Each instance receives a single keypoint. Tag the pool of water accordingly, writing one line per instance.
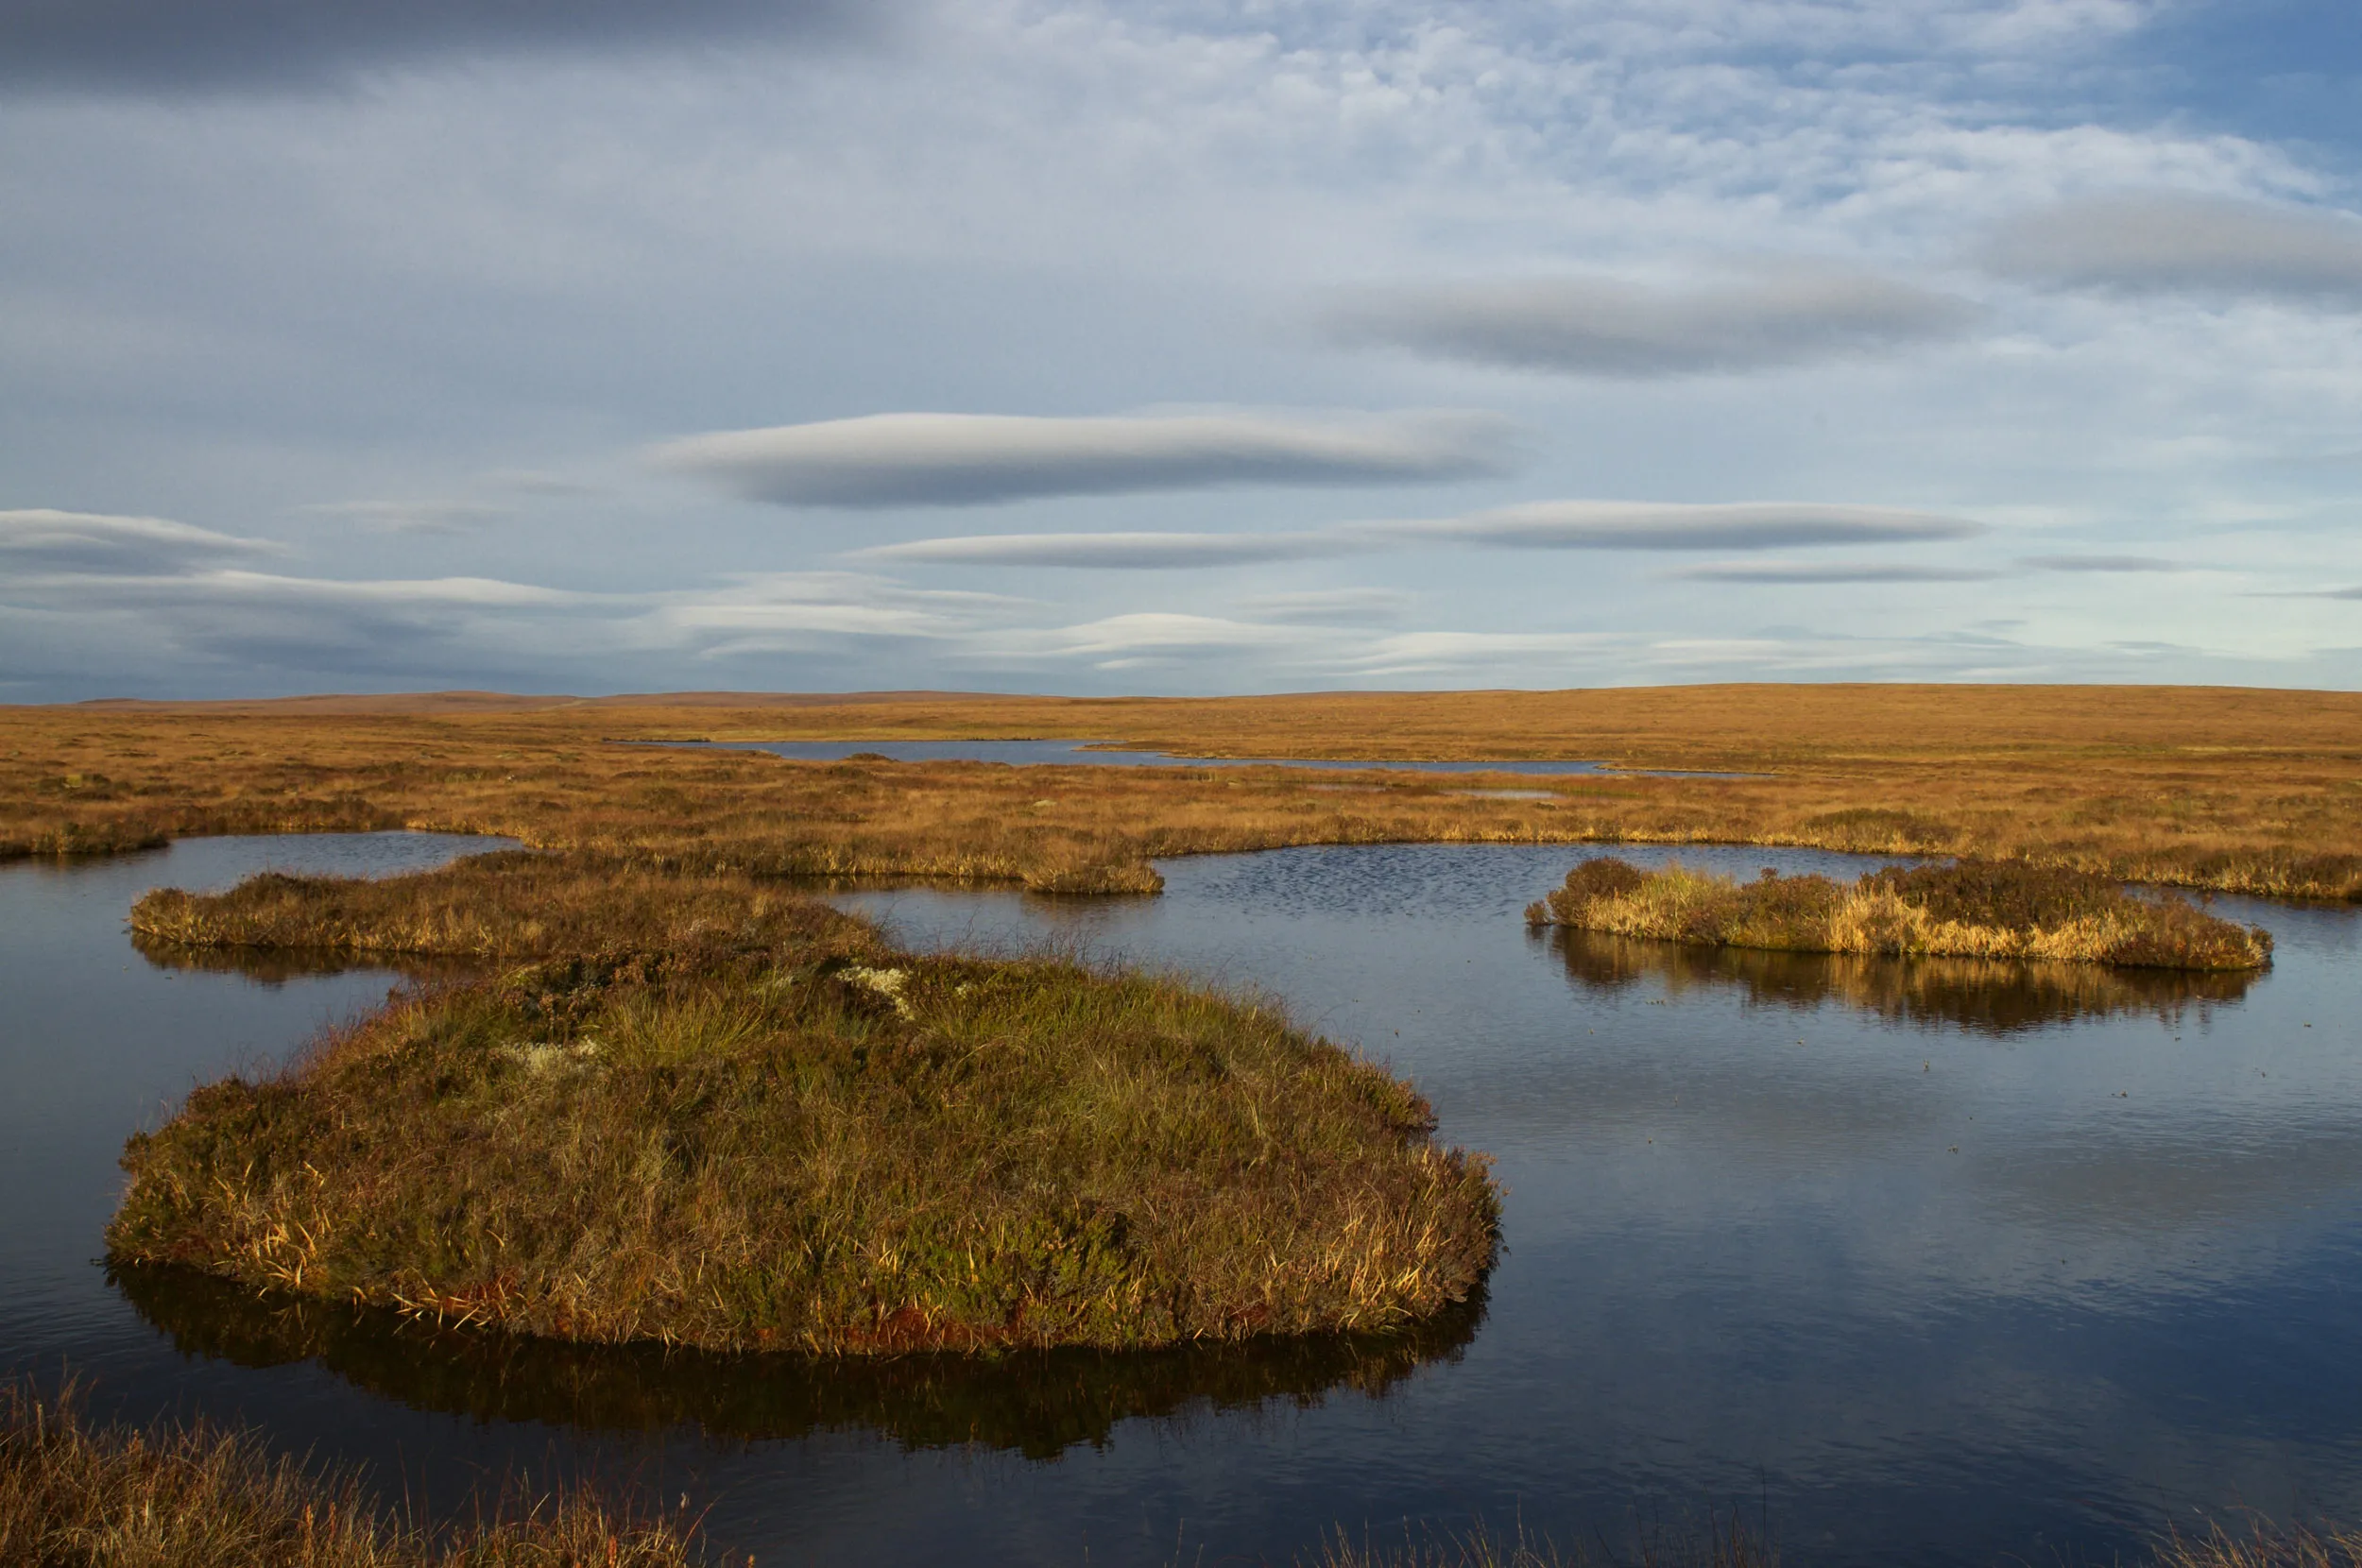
(1941, 1263)
(1074, 753)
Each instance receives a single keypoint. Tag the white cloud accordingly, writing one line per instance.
(1535, 525)
(413, 516)
(974, 459)
(1773, 316)
(42, 539)
(1146, 550)
(1666, 525)
(1833, 571)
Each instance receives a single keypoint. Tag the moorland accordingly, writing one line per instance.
(2218, 788)
(653, 997)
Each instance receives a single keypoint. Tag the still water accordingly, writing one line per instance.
(1943, 1263)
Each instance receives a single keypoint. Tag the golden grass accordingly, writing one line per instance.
(2253, 792)
(1976, 909)
(73, 1494)
(514, 905)
(773, 1132)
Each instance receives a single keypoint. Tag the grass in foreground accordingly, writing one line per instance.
(783, 1135)
(78, 1495)
(1967, 909)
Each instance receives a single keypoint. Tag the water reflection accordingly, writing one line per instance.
(1039, 1405)
(275, 966)
(1986, 995)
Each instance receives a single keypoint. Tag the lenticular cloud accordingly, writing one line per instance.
(976, 459)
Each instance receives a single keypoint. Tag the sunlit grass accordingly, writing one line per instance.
(1968, 910)
(79, 1495)
(778, 1133)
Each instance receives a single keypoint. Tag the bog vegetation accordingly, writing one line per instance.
(76, 1494)
(1970, 908)
(743, 1122)
(2250, 792)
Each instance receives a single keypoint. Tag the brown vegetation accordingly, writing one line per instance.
(78, 1495)
(1972, 909)
(774, 1133)
(514, 905)
(2255, 792)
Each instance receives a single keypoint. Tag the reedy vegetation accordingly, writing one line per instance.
(776, 1133)
(1967, 909)
(73, 1494)
(2243, 791)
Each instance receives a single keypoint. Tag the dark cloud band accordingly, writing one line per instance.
(1542, 525)
(2168, 243)
(169, 44)
(977, 459)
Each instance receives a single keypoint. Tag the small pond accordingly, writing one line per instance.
(1935, 1263)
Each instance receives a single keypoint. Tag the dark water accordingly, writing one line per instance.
(1069, 753)
(1945, 1263)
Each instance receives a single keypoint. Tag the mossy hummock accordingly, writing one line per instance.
(1969, 909)
(802, 1149)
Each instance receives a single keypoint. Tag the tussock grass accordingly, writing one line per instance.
(502, 906)
(1966, 909)
(75, 1495)
(822, 1144)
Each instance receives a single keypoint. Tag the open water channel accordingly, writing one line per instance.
(1932, 1262)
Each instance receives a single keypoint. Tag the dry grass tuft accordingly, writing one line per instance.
(1967, 909)
(76, 1496)
(2265, 1546)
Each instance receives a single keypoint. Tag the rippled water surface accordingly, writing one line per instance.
(1940, 1262)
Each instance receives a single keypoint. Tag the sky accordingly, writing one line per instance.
(1175, 346)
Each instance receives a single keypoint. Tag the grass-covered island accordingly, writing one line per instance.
(1968, 908)
(744, 1121)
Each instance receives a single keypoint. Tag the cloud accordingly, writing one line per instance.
(976, 459)
(1608, 327)
(415, 517)
(2103, 563)
(1832, 571)
(1669, 526)
(1343, 607)
(1537, 525)
(2170, 243)
(1115, 551)
(40, 539)
(182, 45)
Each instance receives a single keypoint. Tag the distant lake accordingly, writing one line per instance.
(1936, 1263)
